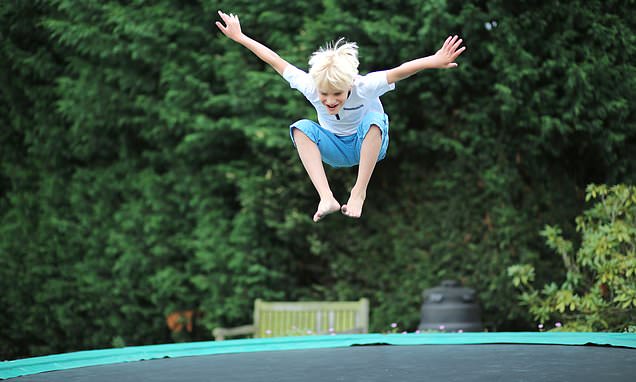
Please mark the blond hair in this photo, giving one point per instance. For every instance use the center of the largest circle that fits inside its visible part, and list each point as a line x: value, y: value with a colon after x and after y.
x: 335, y: 66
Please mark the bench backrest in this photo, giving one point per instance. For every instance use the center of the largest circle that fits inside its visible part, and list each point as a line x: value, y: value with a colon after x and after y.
x: 283, y: 318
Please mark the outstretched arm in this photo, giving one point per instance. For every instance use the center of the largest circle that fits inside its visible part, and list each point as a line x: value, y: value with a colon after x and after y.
x: 232, y: 29
x: 444, y: 58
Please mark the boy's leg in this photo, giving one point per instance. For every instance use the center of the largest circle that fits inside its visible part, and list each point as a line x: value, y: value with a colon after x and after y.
x: 312, y: 161
x: 369, y: 152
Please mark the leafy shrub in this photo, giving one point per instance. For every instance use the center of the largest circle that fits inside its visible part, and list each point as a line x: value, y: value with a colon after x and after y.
x: 599, y: 290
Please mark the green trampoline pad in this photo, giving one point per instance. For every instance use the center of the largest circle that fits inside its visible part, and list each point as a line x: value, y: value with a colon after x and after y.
x: 29, y: 366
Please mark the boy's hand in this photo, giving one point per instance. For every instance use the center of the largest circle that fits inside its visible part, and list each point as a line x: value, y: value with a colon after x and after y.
x: 233, y: 26
x: 232, y: 29
x: 446, y: 56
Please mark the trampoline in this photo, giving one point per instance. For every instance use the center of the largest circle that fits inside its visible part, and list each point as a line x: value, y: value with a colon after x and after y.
x: 364, y: 357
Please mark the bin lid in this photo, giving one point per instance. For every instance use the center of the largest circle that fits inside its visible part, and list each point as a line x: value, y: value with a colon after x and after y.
x: 449, y: 291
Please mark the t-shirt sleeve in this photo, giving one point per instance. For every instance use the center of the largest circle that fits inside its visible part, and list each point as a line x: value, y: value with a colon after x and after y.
x: 300, y: 80
x: 374, y: 84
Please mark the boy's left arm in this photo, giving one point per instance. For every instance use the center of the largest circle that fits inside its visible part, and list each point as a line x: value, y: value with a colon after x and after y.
x: 444, y: 58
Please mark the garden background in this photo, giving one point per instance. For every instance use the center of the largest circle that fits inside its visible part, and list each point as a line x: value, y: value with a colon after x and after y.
x: 146, y: 166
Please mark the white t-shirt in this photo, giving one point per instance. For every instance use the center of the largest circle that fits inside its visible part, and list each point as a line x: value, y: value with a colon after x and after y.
x: 364, y: 97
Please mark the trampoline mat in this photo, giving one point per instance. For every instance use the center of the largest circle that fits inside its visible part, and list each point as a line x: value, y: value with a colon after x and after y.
x: 494, y: 362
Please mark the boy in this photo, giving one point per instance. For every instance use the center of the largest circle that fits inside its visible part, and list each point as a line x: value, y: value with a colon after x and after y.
x: 353, y: 129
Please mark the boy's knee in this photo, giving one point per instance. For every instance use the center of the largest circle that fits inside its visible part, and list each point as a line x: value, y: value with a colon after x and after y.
x: 374, y: 132
x: 304, y: 127
x: 373, y: 123
x: 296, y: 132
x: 375, y: 129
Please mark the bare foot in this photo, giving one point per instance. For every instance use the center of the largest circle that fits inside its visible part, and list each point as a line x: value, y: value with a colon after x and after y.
x: 326, y: 207
x: 353, y: 208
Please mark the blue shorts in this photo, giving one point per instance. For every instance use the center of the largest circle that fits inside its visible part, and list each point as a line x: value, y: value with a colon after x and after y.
x: 343, y: 151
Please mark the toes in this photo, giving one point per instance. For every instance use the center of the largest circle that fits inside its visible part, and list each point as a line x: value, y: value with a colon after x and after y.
x: 348, y: 213
x: 324, y: 210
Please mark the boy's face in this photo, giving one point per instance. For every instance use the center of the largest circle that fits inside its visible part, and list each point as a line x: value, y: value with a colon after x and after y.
x: 333, y: 99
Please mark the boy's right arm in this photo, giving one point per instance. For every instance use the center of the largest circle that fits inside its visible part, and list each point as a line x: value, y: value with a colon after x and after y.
x: 232, y: 30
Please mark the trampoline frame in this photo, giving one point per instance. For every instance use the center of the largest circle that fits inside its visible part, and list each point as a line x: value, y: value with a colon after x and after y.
x: 35, y: 365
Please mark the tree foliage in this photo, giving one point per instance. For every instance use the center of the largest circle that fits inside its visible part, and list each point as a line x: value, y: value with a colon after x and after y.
x: 599, y: 290
x: 146, y: 166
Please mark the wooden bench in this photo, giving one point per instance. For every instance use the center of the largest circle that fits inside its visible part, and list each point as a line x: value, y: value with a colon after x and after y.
x: 284, y: 318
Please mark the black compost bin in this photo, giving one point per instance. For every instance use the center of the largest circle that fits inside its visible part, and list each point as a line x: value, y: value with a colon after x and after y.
x: 450, y: 308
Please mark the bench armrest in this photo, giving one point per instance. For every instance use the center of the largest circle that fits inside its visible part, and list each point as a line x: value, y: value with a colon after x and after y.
x: 221, y: 333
